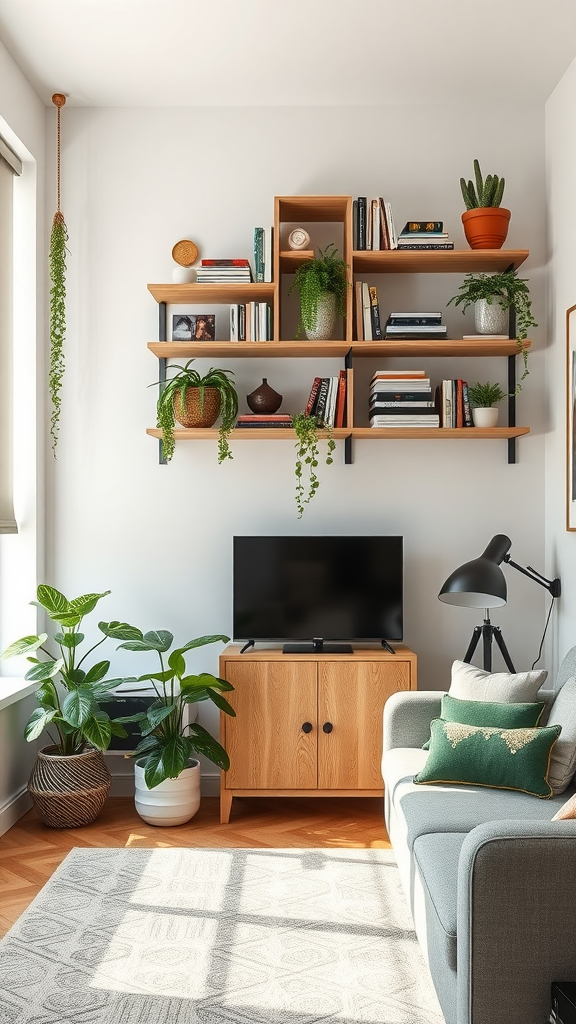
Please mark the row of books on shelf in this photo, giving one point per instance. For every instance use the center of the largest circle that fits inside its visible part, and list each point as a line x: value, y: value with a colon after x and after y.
x: 251, y: 321
x: 374, y: 229
x: 239, y: 271
x: 405, y: 326
x: 404, y: 398
x: 327, y: 400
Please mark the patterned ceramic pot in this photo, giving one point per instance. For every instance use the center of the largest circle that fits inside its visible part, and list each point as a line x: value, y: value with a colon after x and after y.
x: 490, y: 317
x: 325, y: 319
x: 174, y: 801
x: 69, y: 791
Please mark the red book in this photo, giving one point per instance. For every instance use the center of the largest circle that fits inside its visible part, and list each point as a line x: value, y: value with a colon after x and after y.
x: 459, y: 403
x: 313, y: 395
x: 225, y: 263
x: 340, y: 399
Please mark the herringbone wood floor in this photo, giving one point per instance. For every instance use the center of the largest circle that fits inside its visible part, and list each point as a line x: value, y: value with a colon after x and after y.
x: 30, y: 852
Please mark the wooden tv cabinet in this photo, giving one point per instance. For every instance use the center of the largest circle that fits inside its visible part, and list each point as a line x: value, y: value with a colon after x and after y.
x: 307, y: 724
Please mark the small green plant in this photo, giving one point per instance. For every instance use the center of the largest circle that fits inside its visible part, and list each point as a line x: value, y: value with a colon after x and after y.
x: 483, y: 396
x: 308, y: 457
x: 57, y: 267
x: 510, y: 292
x: 486, y: 193
x: 70, y: 695
x: 177, y: 387
x: 326, y: 273
x: 167, y: 743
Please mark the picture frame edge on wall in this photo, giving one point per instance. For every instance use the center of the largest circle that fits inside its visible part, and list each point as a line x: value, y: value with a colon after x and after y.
x: 570, y: 425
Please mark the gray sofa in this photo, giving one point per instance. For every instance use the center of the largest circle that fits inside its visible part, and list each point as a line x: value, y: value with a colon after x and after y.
x: 490, y: 879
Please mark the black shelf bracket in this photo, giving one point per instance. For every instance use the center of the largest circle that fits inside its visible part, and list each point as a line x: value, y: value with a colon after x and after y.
x: 162, y: 367
x: 512, y: 388
x: 348, y: 458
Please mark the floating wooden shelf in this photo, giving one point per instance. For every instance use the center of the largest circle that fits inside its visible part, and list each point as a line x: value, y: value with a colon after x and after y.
x: 436, y: 261
x: 220, y: 294
x: 359, y: 433
x: 335, y: 349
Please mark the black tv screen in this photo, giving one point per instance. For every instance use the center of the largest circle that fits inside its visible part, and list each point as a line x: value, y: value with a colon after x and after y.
x: 302, y: 588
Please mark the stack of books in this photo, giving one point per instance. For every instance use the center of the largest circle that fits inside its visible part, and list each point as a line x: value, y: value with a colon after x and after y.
x: 402, y: 398
x: 327, y: 400
x: 453, y: 404
x: 250, y: 321
x: 264, y: 420
x: 263, y: 254
x: 224, y: 272
x: 373, y: 224
x: 424, y: 234
x: 368, y: 324
x: 415, y: 325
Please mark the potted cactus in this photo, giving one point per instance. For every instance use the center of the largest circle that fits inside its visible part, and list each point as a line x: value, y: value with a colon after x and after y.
x: 485, y: 221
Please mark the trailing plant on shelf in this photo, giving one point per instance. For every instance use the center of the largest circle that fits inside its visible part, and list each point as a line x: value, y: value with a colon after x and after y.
x: 484, y: 396
x: 167, y: 743
x: 314, y: 278
x: 214, y: 388
x: 308, y: 458
x: 69, y: 695
x: 506, y: 290
x: 488, y: 192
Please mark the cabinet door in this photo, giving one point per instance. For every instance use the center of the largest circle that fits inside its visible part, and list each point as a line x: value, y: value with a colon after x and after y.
x: 351, y: 697
x: 266, y: 744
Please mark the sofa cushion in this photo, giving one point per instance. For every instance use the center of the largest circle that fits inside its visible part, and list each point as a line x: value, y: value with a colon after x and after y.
x: 437, y: 858
x: 517, y: 759
x: 471, y: 683
x: 421, y: 810
x: 481, y: 712
x: 563, y: 760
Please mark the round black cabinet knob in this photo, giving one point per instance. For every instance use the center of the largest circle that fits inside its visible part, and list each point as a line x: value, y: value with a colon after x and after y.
x: 327, y: 727
x: 307, y: 727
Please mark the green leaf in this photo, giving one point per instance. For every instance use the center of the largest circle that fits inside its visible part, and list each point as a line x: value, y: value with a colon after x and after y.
x: 145, y: 746
x: 207, y: 745
x: 23, y: 646
x: 37, y: 722
x: 67, y: 619
x: 69, y: 640
x: 140, y: 716
x: 98, y: 730
x: 177, y: 663
x: 103, y: 689
x: 156, y: 714
x: 78, y: 707
x: 195, y: 696
x: 46, y: 696
x: 223, y: 684
x: 197, y: 682
x: 87, y: 603
x: 117, y: 729
x: 162, y: 677
x: 120, y: 630
x: 44, y: 670
x: 221, y: 702
x: 75, y: 676
x: 97, y: 672
x: 201, y: 641
x: 159, y: 639
x: 52, y: 600
x: 167, y: 762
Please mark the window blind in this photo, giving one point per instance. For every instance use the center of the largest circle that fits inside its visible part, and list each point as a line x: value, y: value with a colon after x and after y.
x: 9, y: 166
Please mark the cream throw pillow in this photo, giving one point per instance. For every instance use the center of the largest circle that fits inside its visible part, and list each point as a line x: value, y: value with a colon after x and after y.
x: 563, y: 759
x: 472, y: 683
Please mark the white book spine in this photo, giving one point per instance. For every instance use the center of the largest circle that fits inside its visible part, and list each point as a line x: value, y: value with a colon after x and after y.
x: 268, y: 235
x: 234, y: 322
x: 253, y: 322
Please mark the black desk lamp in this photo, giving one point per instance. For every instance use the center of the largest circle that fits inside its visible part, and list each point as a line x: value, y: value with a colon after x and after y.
x: 482, y: 584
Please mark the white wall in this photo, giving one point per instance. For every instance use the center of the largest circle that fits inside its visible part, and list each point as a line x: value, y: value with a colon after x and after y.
x: 134, y: 182
x: 561, y: 197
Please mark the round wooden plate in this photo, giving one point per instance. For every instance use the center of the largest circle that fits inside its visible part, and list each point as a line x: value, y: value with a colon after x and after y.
x: 185, y: 252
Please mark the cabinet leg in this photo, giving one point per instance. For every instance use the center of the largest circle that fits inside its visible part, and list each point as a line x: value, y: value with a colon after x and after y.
x: 225, y: 806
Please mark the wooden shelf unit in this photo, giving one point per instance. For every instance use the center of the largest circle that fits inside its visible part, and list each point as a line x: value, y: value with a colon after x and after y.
x: 308, y: 210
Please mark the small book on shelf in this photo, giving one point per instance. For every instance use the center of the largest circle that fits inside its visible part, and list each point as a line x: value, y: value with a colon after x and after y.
x: 310, y: 404
x: 419, y: 226
x: 375, y: 313
x: 341, y: 399
x: 362, y: 223
x: 259, y: 254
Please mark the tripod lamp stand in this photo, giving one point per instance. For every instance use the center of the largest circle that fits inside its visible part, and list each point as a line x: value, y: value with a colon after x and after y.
x: 482, y: 584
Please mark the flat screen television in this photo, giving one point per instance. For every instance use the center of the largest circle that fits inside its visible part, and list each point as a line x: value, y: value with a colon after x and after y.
x: 304, y: 591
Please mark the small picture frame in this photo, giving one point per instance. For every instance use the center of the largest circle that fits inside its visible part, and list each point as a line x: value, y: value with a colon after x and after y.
x: 193, y: 326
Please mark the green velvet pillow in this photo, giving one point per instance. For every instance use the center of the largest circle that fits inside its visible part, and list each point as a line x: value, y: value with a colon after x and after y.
x: 481, y: 712
x: 516, y: 759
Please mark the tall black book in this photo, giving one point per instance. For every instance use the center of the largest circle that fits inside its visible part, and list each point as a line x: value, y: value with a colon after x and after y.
x: 361, y: 222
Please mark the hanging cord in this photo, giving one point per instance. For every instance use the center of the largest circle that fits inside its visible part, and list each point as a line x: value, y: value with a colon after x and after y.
x: 544, y: 633
x: 59, y: 100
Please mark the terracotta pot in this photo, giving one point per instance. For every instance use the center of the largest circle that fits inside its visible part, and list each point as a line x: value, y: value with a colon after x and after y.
x: 486, y: 227
x: 69, y: 791
x: 193, y: 415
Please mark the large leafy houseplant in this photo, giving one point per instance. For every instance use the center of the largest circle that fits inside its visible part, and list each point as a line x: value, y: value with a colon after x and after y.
x: 327, y: 273
x: 507, y: 290
x: 173, y: 394
x: 70, y: 693
x: 168, y: 743
x: 308, y: 458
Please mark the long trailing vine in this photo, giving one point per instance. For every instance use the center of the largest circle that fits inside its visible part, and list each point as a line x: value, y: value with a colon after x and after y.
x: 57, y: 260
x: 308, y: 458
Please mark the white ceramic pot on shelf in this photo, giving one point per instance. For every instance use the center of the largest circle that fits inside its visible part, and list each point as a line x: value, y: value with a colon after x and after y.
x: 174, y: 801
x: 490, y: 317
x: 325, y: 319
x: 485, y: 417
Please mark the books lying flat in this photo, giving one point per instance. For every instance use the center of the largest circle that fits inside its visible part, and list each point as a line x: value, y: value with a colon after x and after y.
x: 486, y: 337
x: 422, y: 334
x: 413, y: 319
x: 420, y: 226
x: 400, y: 387
x: 406, y: 421
x: 424, y: 236
x: 424, y: 245
x: 408, y: 329
x: 258, y: 420
x: 397, y: 374
x: 394, y: 397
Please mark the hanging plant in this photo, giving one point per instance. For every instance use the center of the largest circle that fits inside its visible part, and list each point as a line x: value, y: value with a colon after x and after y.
x: 308, y: 457
x: 57, y: 264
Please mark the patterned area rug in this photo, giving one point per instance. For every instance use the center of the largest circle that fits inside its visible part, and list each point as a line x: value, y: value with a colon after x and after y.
x: 196, y: 936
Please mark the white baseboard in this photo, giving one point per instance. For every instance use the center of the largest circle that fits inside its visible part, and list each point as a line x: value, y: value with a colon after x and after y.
x: 13, y: 809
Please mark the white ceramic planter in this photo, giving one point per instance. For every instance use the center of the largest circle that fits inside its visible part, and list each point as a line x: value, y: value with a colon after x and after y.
x: 485, y: 417
x: 490, y: 318
x: 172, y: 802
x: 325, y: 319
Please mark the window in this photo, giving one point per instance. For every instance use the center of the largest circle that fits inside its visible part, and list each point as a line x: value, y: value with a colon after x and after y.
x: 9, y: 166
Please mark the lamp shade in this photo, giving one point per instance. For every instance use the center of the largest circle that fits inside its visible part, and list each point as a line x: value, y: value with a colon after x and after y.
x: 481, y: 582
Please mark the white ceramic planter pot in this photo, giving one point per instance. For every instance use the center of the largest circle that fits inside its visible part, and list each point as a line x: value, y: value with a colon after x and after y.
x: 490, y: 318
x: 325, y: 319
x: 172, y: 802
x: 485, y: 417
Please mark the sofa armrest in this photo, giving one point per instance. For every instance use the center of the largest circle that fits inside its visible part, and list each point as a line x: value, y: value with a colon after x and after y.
x: 516, y: 926
x: 407, y: 717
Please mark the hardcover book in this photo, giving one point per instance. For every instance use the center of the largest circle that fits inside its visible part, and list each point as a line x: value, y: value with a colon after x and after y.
x: 424, y: 245
x: 422, y: 225
x: 362, y: 222
x: 259, y: 254
x: 375, y: 313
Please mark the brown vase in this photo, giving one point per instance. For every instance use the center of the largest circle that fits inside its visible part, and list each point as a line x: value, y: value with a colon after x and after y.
x: 486, y: 227
x: 264, y: 399
x: 69, y: 791
x: 194, y: 414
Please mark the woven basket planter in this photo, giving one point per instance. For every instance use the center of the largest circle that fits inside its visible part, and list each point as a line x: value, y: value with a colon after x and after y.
x: 192, y: 415
x: 69, y: 791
